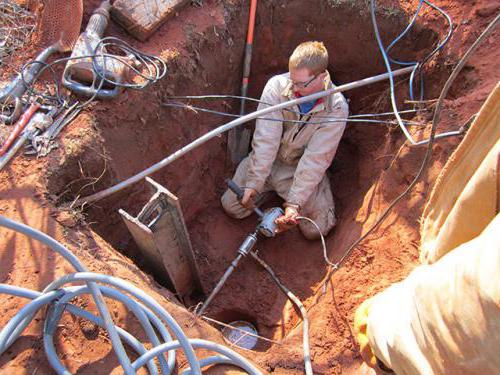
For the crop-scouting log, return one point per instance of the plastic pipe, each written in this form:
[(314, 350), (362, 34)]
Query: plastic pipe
[(58, 304), (138, 293), (236, 358), (26, 293), (96, 293), (142, 313), (227, 357), (15, 326), (233, 124)]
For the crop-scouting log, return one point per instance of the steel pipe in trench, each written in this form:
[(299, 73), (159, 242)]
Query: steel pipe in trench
[(231, 125)]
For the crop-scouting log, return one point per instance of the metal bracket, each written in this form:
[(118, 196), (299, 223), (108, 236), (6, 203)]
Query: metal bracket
[(160, 232)]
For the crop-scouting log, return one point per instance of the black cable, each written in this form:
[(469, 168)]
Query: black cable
[(30, 87), (150, 61), (155, 66), (329, 119), (202, 97)]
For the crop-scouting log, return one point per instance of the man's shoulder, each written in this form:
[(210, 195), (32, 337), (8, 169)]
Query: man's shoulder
[(339, 102), (278, 82)]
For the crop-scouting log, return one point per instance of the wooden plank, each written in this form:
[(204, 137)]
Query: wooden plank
[(141, 18)]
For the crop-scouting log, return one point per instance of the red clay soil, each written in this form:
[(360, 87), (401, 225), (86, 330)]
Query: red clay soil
[(113, 140)]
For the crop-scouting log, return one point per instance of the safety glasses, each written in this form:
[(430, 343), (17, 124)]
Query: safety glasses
[(303, 85)]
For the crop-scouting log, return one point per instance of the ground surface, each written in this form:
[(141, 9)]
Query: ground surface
[(111, 141)]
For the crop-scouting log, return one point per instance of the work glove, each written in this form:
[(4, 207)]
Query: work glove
[(361, 333), (288, 220)]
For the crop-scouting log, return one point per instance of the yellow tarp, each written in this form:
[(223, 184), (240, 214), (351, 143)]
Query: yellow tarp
[(466, 196), (444, 318)]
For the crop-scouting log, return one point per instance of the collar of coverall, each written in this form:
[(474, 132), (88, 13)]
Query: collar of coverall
[(320, 104)]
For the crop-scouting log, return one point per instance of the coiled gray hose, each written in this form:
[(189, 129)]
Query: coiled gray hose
[(150, 314)]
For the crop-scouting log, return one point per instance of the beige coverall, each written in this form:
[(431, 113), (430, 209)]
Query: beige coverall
[(291, 158)]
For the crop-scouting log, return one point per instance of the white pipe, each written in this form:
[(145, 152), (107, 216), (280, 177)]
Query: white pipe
[(233, 124)]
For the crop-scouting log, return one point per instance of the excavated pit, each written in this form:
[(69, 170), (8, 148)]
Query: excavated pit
[(135, 131)]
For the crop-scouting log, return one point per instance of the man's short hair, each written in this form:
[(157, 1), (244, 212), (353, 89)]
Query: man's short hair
[(311, 55)]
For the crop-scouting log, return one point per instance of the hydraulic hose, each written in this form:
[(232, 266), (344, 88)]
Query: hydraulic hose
[(96, 293), (231, 125), (391, 81), (296, 301), (150, 314)]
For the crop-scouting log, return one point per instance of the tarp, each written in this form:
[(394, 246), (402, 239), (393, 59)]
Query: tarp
[(466, 196), (444, 318)]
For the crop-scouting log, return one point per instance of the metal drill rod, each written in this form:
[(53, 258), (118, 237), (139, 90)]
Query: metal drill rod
[(245, 248), (220, 284)]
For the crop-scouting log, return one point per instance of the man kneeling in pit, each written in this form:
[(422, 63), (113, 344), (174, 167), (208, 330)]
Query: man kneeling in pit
[(292, 152)]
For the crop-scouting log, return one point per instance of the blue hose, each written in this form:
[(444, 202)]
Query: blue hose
[(418, 65), (391, 75), (30, 294)]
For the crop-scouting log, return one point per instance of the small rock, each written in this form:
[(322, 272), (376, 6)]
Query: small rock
[(66, 218)]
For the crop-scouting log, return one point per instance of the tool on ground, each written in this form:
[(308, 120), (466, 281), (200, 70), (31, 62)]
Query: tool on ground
[(80, 73), (37, 124), (12, 93), (266, 227), (239, 138), (19, 127), (43, 141)]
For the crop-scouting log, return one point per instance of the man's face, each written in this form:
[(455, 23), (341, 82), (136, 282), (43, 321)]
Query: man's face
[(305, 83)]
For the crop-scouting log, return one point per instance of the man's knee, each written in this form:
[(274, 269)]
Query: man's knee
[(311, 233), (324, 224), (232, 206)]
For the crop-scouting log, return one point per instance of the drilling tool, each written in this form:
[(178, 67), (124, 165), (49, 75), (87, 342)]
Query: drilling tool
[(80, 73), (42, 141), (37, 124), (266, 227)]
